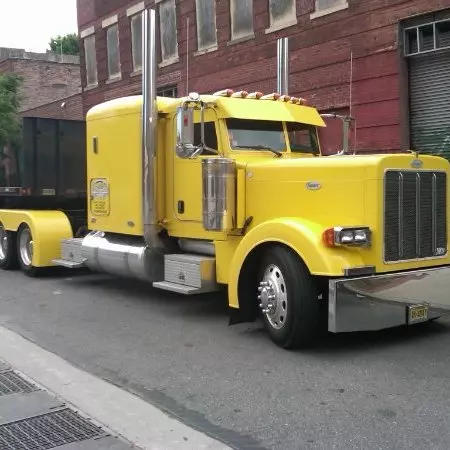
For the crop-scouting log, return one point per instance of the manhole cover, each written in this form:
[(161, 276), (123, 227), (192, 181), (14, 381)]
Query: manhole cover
[(12, 383), (47, 431)]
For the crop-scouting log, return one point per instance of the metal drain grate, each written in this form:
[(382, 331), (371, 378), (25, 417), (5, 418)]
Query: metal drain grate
[(12, 383), (47, 431)]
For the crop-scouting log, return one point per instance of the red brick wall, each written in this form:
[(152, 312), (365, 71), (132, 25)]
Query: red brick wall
[(320, 52), (44, 81), (70, 108)]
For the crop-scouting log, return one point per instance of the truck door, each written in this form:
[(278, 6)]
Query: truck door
[(188, 172)]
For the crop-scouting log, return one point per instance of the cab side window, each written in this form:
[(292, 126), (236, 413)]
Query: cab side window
[(210, 136)]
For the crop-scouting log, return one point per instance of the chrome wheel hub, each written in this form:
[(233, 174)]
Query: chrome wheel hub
[(273, 296), (26, 247), (3, 243)]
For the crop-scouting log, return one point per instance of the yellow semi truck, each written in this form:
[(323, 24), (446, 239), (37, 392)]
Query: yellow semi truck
[(231, 191)]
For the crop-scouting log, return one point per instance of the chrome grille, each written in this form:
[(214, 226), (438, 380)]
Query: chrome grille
[(415, 219)]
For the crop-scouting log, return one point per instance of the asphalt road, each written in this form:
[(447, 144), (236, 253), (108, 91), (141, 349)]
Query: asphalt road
[(386, 390)]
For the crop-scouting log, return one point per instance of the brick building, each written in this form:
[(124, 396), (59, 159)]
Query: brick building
[(49, 80), (385, 61)]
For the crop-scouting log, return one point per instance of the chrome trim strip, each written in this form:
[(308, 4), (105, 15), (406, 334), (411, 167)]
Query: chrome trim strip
[(434, 212), (400, 215), (418, 193)]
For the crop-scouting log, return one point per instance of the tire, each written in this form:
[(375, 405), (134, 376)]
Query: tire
[(288, 299), (8, 249), (25, 251)]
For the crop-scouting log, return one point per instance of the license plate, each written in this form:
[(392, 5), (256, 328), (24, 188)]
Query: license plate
[(417, 314)]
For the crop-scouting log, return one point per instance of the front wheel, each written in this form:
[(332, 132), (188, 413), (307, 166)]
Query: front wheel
[(288, 299)]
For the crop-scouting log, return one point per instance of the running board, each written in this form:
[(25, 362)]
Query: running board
[(188, 274), (67, 264)]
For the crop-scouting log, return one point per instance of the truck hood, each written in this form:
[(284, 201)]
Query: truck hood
[(337, 168), (336, 190)]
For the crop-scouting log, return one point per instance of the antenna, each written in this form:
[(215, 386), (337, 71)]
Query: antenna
[(351, 102), (351, 82), (187, 56)]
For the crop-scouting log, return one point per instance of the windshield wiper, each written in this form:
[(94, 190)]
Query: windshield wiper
[(260, 147)]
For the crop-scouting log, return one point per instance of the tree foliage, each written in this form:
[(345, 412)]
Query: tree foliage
[(68, 44), (10, 119)]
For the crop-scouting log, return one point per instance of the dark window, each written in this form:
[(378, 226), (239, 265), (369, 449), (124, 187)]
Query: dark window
[(426, 37), (206, 24), (210, 136), (168, 27), (412, 46), (241, 12), (136, 40), (282, 12), (443, 34), (256, 134), (302, 138), (167, 91), (112, 38)]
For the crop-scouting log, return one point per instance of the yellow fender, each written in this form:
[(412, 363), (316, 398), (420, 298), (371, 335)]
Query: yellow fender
[(48, 229), (302, 236)]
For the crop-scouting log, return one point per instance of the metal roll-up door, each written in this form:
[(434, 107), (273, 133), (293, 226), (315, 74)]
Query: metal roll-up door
[(429, 87)]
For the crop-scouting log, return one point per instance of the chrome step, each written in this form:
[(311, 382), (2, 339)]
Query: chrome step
[(68, 264), (180, 288)]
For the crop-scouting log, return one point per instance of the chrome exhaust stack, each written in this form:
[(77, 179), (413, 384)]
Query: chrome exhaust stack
[(149, 132), (283, 66)]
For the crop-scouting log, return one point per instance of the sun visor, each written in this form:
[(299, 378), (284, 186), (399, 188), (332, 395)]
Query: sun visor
[(268, 110)]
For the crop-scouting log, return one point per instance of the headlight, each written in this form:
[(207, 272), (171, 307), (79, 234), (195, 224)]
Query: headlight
[(353, 236)]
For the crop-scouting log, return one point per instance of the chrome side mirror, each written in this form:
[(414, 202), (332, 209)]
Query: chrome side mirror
[(185, 146)]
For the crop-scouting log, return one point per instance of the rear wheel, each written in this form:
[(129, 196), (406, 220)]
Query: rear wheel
[(25, 246), (288, 299), (8, 249)]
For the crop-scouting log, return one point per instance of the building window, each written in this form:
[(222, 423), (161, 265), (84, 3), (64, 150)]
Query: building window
[(241, 12), (90, 60), (427, 38), (282, 14), (206, 25), (136, 41), (112, 41), (324, 7), (167, 91), (168, 27)]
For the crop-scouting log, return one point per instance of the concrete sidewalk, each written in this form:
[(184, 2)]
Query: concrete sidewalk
[(47, 403)]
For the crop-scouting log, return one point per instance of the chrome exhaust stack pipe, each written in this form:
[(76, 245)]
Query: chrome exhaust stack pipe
[(149, 132), (283, 66)]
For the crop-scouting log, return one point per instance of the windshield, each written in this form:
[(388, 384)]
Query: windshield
[(269, 135), (302, 138), (256, 134)]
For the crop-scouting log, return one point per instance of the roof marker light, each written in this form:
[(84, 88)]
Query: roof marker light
[(240, 94), (224, 93), (273, 96), (256, 95), (284, 98), (295, 100)]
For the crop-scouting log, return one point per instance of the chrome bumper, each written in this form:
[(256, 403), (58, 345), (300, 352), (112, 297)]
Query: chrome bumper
[(385, 301)]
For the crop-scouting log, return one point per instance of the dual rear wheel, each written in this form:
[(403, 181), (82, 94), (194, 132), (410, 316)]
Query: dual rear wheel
[(16, 250)]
